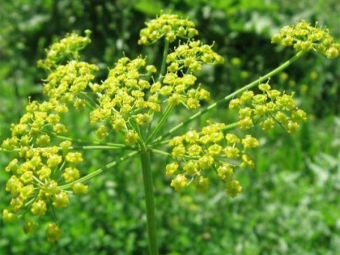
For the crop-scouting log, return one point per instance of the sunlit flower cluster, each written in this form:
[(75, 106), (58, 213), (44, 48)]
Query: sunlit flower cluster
[(197, 155), (267, 109), (191, 56), (170, 26), (302, 36)]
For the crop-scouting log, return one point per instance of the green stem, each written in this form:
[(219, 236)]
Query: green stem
[(100, 143), (165, 54), (77, 147), (163, 153), (99, 147), (232, 95), (88, 100), (149, 201), (160, 123), (100, 170)]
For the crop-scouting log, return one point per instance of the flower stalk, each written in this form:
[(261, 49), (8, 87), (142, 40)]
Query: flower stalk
[(149, 201)]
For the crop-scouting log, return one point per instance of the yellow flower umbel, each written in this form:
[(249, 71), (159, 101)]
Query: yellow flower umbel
[(303, 37), (198, 155), (135, 93), (44, 164), (170, 26), (269, 108)]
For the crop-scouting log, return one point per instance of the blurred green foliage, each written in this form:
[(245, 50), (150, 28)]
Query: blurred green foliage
[(289, 203)]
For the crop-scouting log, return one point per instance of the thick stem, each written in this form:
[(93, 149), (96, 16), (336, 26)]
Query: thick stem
[(149, 201)]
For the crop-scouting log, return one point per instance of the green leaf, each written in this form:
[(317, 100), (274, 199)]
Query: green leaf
[(150, 7)]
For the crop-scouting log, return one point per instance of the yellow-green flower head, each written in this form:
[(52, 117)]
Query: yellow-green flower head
[(64, 50), (169, 26), (201, 183), (303, 37), (38, 175), (39, 208), (191, 56), (198, 154), (79, 188), (123, 93), (267, 109), (171, 168), (179, 182), (67, 81), (8, 216), (225, 171)]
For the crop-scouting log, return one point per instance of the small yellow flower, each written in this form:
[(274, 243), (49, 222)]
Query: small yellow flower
[(179, 182), (39, 208)]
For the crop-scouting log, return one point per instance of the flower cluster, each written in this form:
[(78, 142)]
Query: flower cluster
[(69, 77), (303, 36), (182, 63), (68, 81), (44, 175), (64, 50), (198, 154), (268, 108), (40, 169), (123, 100), (191, 56), (168, 25), (129, 96)]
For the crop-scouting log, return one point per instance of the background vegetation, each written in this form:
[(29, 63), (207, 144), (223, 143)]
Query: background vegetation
[(290, 202)]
